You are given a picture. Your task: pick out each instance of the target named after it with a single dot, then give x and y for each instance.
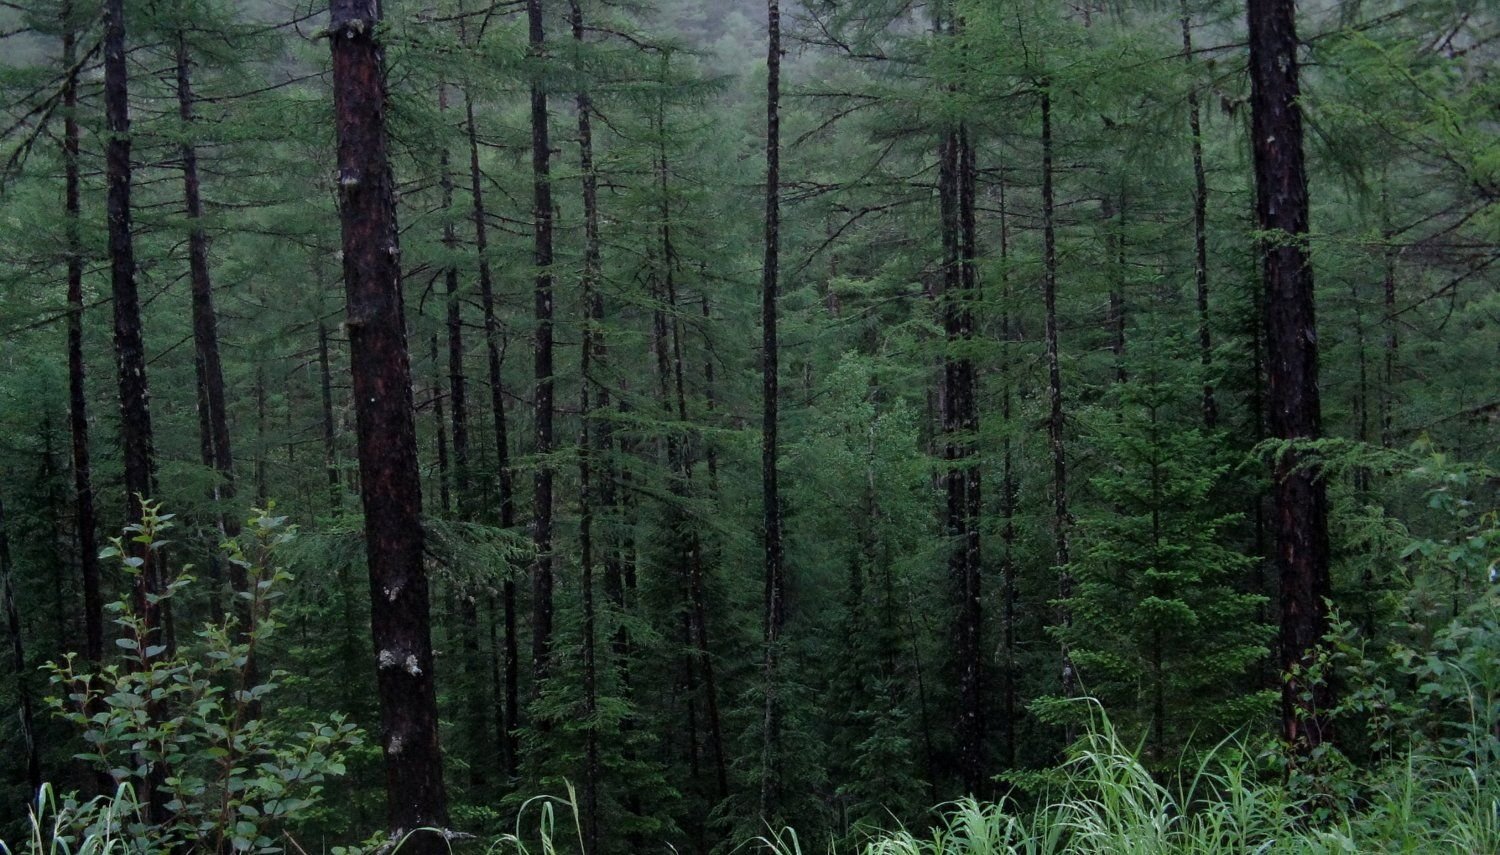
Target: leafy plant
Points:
(182, 727)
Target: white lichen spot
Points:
(388, 659)
(395, 746)
(411, 665)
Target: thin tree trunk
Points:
(1060, 519)
(463, 485)
(215, 445)
(458, 398)
(541, 533)
(390, 486)
(1200, 229)
(1392, 340)
(1301, 504)
(959, 424)
(1117, 306)
(510, 710)
(86, 518)
(589, 445)
(440, 433)
(18, 659)
(775, 594)
(130, 351)
(697, 628)
(330, 448)
(1007, 509)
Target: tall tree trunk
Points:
(510, 709)
(130, 351)
(1392, 340)
(463, 485)
(458, 397)
(683, 462)
(959, 425)
(440, 433)
(589, 446)
(1060, 519)
(390, 487)
(775, 583)
(1301, 504)
(1200, 228)
(330, 432)
(18, 659)
(1009, 666)
(541, 533)
(217, 452)
(1117, 304)
(86, 519)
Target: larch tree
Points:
(774, 600)
(390, 487)
(1300, 499)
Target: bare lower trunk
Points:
(1060, 519)
(509, 718)
(775, 583)
(1300, 520)
(390, 488)
(85, 516)
(541, 531)
(18, 660)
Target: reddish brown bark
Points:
(1300, 518)
(390, 489)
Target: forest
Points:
(943, 427)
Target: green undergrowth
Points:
(1104, 801)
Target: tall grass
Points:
(66, 826)
(1105, 802)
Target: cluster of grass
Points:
(1102, 802)
(1105, 802)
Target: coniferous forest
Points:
(615, 426)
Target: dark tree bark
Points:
(541, 532)
(461, 476)
(130, 351)
(1200, 228)
(213, 417)
(1008, 661)
(682, 461)
(390, 488)
(590, 446)
(85, 516)
(1392, 339)
(775, 583)
(1060, 518)
(509, 716)
(1294, 412)
(18, 660)
(960, 423)
(330, 432)
(440, 433)
(458, 387)
(1115, 209)
(262, 468)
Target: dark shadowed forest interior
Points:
(940, 427)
